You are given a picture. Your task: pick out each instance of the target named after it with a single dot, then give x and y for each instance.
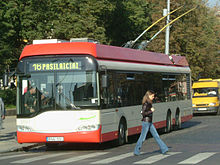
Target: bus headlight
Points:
(91, 127)
(194, 105)
(212, 104)
(23, 128)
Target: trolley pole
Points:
(167, 37)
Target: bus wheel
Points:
(122, 133)
(168, 123)
(177, 121)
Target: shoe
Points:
(165, 152)
(135, 154)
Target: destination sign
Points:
(55, 66)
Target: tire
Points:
(122, 136)
(168, 124)
(178, 122)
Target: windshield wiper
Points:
(70, 103)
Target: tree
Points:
(9, 31)
(77, 19)
(195, 35)
(127, 20)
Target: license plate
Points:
(55, 139)
(202, 109)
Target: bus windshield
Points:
(57, 88)
(205, 92)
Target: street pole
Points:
(167, 30)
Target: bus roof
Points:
(103, 52)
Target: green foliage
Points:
(9, 32)
(196, 35)
(198, 42)
(127, 20)
(8, 96)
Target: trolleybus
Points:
(85, 92)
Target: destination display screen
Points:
(58, 63)
(55, 66)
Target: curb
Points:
(10, 112)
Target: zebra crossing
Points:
(155, 158)
(197, 158)
(74, 159)
(106, 158)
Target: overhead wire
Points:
(131, 43)
(147, 42)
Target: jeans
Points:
(145, 127)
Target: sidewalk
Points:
(8, 136)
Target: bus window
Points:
(175, 87)
(58, 90)
(199, 92)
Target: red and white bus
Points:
(85, 92)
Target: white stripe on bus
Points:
(115, 65)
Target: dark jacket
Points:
(146, 112)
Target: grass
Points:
(10, 106)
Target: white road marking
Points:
(155, 158)
(114, 158)
(197, 158)
(78, 158)
(13, 156)
(152, 159)
(28, 160)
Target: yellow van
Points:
(206, 96)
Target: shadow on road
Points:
(203, 114)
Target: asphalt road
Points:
(198, 142)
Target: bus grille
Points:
(201, 104)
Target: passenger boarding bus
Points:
(85, 92)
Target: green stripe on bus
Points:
(82, 118)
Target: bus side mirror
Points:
(104, 81)
(5, 79)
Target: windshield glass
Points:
(58, 89)
(205, 92)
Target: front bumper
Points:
(205, 109)
(73, 137)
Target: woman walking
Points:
(147, 113)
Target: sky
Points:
(213, 2)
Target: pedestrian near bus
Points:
(147, 125)
(2, 112)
